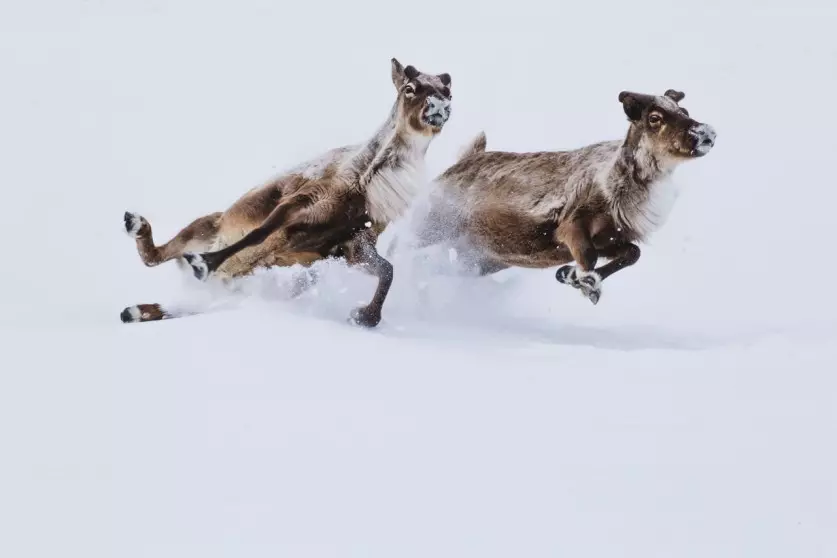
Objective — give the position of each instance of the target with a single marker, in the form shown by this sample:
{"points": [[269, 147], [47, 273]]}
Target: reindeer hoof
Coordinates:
{"points": [[566, 275], [590, 284], [135, 224], [199, 266], [365, 316], [130, 315], [143, 313]]}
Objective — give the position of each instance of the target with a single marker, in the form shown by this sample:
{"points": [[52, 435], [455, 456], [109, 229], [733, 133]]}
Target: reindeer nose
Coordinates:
{"points": [[704, 136], [435, 105], [437, 111]]}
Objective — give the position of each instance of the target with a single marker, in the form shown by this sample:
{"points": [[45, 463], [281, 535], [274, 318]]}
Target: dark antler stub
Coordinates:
{"points": [[675, 95]]}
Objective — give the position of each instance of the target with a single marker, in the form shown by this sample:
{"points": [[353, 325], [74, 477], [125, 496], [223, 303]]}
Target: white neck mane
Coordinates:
{"points": [[641, 209], [390, 167]]}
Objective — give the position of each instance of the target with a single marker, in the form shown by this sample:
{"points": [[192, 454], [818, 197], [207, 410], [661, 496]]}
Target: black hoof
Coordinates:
{"points": [[133, 223], [366, 317], [566, 275], [129, 315], [198, 264], [591, 287]]}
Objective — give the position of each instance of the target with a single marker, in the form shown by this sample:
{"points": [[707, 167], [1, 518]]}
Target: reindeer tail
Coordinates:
{"points": [[477, 145]]}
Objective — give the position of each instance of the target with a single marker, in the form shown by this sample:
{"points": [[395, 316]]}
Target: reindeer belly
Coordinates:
{"points": [[247, 213], [270, 253], [243, 216], [514, 239]]}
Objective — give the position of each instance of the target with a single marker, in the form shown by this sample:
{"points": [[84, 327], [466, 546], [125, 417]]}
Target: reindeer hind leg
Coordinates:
{"points": [[198, 235], [147, 313]]}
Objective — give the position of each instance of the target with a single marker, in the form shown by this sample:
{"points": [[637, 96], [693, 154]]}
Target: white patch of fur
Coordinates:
{"points": [[660, 202], [651, 213], [135, 313], [198, 265], [594, 275], [392, 190]]}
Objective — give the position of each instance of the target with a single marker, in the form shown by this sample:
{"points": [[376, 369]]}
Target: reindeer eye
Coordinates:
{"points": [[655, 119], [409, 90]]}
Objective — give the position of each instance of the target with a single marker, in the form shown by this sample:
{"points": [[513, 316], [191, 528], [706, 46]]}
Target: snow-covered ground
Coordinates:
{"points": [[692, 413]]}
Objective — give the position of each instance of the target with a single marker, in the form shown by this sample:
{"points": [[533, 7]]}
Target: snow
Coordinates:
{"points": [[691, 413]]}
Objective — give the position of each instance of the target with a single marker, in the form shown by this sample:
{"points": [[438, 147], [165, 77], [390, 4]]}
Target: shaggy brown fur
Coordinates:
{"points": [[550, 208], [335, 205]]}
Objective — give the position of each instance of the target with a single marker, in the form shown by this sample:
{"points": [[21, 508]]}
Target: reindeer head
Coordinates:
{"points": [[666, 125], [423, 99]]}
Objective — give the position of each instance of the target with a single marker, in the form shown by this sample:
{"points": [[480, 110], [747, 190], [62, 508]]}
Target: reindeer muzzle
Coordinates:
{"points": [[436, 111], [703, 139]]}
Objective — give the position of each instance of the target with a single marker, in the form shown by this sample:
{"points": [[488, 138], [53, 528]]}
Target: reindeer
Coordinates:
{"points": [[544, 209], [333, 206]]}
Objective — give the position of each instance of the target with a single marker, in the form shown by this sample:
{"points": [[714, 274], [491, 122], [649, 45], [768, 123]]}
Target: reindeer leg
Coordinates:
{"points": [[583, 276], [620, 256], [198, 235], [204, 264], [361, 252], [150, 313]]}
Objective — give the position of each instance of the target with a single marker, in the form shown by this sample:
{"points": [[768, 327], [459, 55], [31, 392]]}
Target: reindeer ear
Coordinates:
{"points": [[445, 79], [410, 72], [675, 95], [397, 73], [633, 103]]}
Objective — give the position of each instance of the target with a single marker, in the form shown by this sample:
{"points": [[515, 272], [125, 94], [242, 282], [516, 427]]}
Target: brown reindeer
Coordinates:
{"points": [[545, 209], [332, 206]]}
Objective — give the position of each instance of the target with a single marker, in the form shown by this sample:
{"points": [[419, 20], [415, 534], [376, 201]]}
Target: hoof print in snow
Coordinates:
{"points": [[198, 264], [365, 317]]}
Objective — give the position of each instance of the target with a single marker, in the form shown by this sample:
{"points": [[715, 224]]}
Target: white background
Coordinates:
{"points": [[692, 413]]}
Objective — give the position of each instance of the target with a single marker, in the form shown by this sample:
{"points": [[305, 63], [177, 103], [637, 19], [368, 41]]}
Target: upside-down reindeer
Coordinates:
{"points": [[545, 209], [333, 206]]}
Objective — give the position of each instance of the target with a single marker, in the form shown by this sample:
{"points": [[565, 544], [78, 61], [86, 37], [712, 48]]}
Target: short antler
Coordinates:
{"points": [[675, 95]]}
